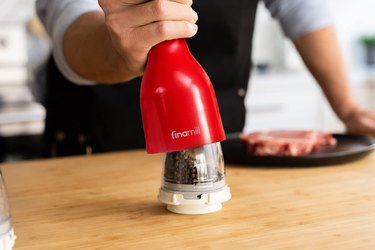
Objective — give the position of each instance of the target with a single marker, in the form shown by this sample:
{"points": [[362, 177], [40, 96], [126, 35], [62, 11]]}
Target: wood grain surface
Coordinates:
{"points": [[109, 202]]}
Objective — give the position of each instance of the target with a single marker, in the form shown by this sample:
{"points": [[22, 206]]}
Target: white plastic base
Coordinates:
{"points": [[207, 203], [194, 209]]}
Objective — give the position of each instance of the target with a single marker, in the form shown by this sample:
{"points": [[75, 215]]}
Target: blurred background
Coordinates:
{"points": [[23, 51], [282, 93]]}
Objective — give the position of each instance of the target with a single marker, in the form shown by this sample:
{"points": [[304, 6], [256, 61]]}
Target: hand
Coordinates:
{"points": [[135, 26], [361, 122]]}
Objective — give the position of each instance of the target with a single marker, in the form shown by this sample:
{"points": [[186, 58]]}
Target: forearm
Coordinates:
{"points": [[322, 56], [89, 52]]}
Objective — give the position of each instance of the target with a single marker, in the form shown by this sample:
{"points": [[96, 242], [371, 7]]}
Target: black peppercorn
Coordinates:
{"points": [[182, 167]]}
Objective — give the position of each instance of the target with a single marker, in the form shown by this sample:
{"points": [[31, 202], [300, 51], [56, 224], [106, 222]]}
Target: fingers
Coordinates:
{"points": [[135, 26], [159, 10], [152, 34], [141, 26], [368, 121], [363, 122], [188, 2], [111, 6]]}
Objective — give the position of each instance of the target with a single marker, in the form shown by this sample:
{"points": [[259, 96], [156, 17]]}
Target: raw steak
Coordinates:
{"points": [[286, 142]]}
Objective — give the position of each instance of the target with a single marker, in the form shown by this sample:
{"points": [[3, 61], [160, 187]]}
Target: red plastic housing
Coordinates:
{"points": [[178, 102]]}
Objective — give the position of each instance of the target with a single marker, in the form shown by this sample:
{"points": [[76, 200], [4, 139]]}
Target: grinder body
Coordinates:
{"points": [[178, 103]]}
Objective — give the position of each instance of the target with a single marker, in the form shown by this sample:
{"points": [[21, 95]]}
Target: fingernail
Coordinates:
{"points": [[195, 27]]}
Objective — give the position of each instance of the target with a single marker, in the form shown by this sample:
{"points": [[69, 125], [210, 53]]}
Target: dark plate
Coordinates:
{"points": [[348, 148]]}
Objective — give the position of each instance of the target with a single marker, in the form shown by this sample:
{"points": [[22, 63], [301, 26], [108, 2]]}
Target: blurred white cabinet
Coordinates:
{"points": [[283, 110], [13, 46], [284, 101], [293, 100], [19, 113]]}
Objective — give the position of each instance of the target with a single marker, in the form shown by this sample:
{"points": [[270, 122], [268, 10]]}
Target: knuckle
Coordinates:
{"points": [[159, 8], [163, 29]]}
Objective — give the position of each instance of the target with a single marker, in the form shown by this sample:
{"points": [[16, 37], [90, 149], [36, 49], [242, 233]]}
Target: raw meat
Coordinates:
{"points": [[287, 142]]}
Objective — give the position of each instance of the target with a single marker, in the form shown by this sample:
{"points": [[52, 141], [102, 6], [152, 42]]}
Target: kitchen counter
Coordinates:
{"points": [[109, 202]]}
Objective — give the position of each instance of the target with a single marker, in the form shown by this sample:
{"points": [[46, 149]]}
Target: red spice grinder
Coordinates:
{"points": [[181, 118]]}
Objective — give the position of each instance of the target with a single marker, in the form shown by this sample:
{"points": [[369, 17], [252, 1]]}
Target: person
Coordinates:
{"points": [[100, 52]]}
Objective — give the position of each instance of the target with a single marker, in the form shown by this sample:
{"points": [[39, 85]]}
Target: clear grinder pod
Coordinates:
{"points": [[180, 115], [193, 180]]}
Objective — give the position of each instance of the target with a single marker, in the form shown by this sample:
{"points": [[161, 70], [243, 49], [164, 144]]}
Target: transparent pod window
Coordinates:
{"points": [[194, 166]]}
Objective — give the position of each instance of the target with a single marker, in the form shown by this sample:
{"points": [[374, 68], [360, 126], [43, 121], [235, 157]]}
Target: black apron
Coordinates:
{"points": [[102, 118]]}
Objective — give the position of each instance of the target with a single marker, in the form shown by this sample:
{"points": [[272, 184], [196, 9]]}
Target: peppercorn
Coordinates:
{"points": [[182, 167]]}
